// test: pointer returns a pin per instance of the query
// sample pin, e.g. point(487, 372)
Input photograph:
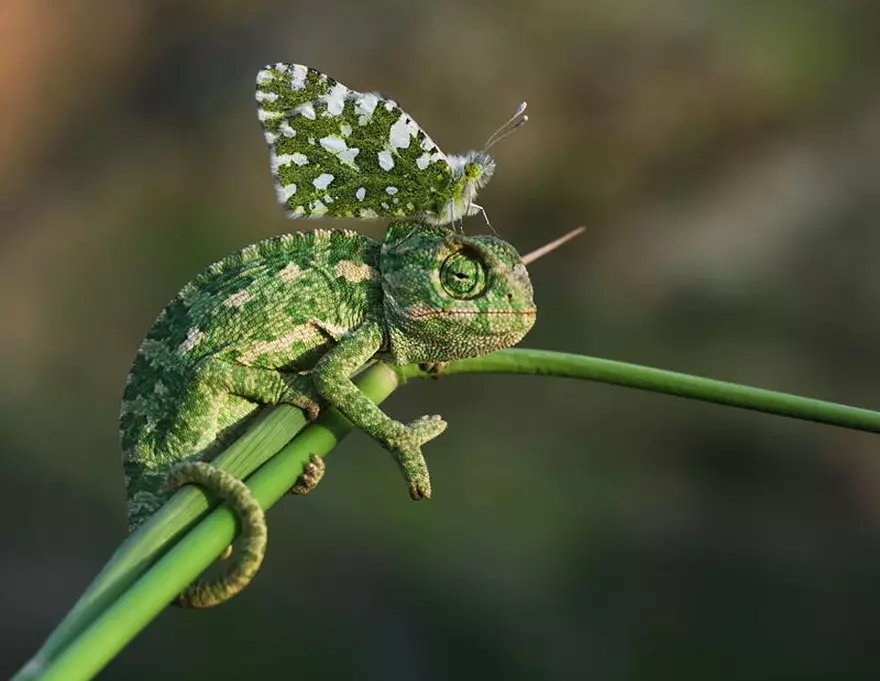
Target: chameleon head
point(448, 296)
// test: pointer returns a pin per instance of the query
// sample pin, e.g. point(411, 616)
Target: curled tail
point(204, 594)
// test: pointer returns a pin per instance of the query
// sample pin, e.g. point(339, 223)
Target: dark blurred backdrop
point(725, 159)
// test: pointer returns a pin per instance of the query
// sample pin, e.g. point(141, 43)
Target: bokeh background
point(725, 158)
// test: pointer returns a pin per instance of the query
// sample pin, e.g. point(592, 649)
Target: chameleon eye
point(463, 275)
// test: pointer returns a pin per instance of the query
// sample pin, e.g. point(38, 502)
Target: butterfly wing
point(338, 152)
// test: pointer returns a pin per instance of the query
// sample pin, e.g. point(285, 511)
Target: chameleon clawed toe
point(312, 474)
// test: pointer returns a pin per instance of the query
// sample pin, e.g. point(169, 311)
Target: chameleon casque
point(290, 320)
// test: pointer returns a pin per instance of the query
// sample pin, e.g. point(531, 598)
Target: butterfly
point(341, 153)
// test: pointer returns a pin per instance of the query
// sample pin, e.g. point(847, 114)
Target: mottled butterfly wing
point(338, 152)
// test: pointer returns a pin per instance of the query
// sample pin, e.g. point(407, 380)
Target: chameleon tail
point(204, 594)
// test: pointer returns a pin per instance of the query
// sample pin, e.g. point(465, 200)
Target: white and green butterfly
point(340, 153)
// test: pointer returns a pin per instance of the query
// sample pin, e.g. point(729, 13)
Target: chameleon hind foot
point(433, 369)
point(407, 450)
point(311, 476)
point(204, 594)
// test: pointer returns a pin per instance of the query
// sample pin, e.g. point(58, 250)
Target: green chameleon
point(290, 320)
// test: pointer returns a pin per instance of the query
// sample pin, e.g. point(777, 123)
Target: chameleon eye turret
point(463, 275)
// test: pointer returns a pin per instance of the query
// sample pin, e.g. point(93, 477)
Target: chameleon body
point(290, 320)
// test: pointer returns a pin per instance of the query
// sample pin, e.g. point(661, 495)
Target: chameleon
point(289, 320)
point(340, 153)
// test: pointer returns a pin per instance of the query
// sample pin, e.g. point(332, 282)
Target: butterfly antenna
point(546, 248)
point(516, 121)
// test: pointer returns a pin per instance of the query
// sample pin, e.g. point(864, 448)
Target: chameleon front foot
point(204, 594)
point(300, 392)
point(407, 450)
point(311, 476)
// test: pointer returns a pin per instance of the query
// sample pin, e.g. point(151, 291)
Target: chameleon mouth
point(427, 314)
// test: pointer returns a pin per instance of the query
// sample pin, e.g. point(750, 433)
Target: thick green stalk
point(116, 607)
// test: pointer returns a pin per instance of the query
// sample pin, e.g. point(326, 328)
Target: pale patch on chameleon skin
point(355, 272)
point(193, 337)
point(305, 335)
point(290, 272)
point(238, 299)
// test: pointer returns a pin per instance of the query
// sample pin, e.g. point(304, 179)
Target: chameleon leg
point(266, 386)
point(311, 476)
point(238, 575)
point(332, 379)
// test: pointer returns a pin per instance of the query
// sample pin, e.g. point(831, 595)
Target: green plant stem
point(134, 587)
point(548, 363)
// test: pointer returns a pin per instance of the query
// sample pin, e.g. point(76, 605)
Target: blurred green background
point(725, 159)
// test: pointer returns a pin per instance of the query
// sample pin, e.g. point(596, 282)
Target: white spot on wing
point(264, 115)
point(390, 190)
point(317, 208)
point(307, 110)
point(331, 143)
point(284, 193)
point(349, 155)
point(299, 159)
point(401, 132)
point(335, 99)
point(322, 181)
point(360, 193)
point(365, 104)
point(298, 79)
point(286, 130)
point(266, 96)
point(386, 162)
point(367, 213)
point(423, 161)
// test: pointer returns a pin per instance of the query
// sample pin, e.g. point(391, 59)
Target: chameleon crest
point(290, 320)
point(338, 152)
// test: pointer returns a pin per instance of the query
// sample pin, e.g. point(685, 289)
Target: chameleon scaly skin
point(290, 320)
